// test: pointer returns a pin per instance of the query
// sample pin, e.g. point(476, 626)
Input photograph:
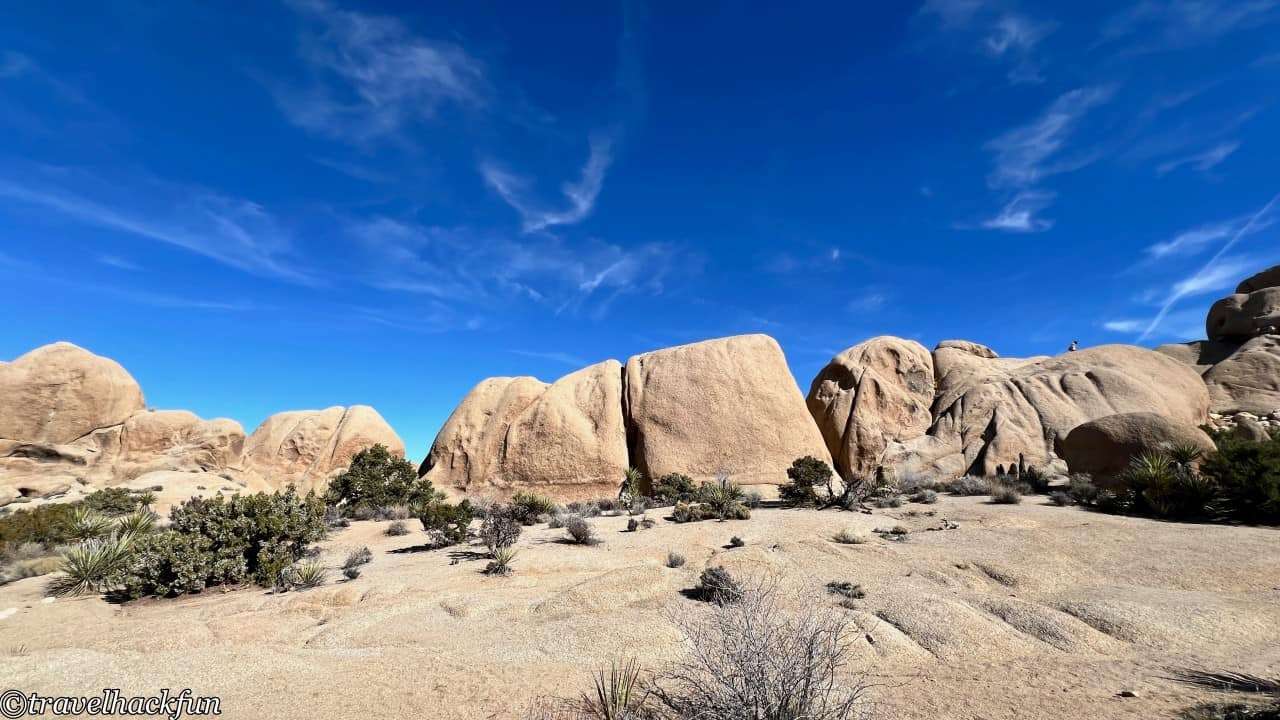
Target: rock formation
point(566, 439)
point(72, 422)
point(1240, 362)
point(988, 411)
point(1103, 448)
point(874, 393)
point(719, 406)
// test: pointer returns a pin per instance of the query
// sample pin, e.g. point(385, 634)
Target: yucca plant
point(310, 574)
point(138, 522)
point(501, 563)
point(618, 695)
point(86, 524)
point(92, 567)
point(1184, 454)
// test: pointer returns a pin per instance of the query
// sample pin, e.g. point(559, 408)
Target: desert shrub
point(1154, 484)
point(808, 475)
point(849, 536)
point(1035, 479)
point(608, 505)
point(675, 559)
point(351, 573)
point(500, 530)
point(526, 507)
point(580, 531)
point(356, 558)
point(888, 501)
point(647, 522)
point(927, 497)
point(1060, 498)
point(723, 499)
point(310, 574)
point(556, 521)
point(12, 570)
point(87, 524)
point(501, 562)
point(760, 658)
point(632, 485)
point(911, 483)
point(396, 529)
point(363, 511)
point(969, 485)
point(1248, 478)
point(113, 502)
point(752, 499)
point(92, 567)
point(846, 589)
point(737, 542)
point(377, 479)
point(219, 540)
point(1082, 490)
point(673, 488)
point(638, 506)
point(717, 585)
point(633, 525)
point(46, 525)
point(1005, 495)
point(583, 509)
point(447, 524)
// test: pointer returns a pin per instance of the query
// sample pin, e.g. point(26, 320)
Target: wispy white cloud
point(867, 302)
point(1202, 161)
point(953, 13)
point(1016, 36)
point(1029, 153)
point(1189, 242)
point(1172, 24)
point(581, 195)
point(232, 231)
point(118, 262)
point(1220, 272)
point(459, 265)
point(373, 75)
point(1021, 213)
point(1124, 326)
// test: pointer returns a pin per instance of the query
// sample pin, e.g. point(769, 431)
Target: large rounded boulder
point(726, 406)
point(566, 440)
point(1249, 379)
point(1103, 448)
point(306, 447)
point(182, 439)
point(870, 395)
point(59, 393)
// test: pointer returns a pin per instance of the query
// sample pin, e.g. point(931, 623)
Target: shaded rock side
point(1104, 447)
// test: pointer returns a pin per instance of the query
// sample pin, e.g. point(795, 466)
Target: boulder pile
point(72, 422)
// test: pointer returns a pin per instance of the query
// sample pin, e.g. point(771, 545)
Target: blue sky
point(306, 203)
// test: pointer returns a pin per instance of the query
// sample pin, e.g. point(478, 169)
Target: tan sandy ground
point(1026, 611)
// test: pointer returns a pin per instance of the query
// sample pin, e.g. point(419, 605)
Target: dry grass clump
point(1005, 495)
point(675, 559)
point(396, 529)
point(580, 531)
point(849, 536)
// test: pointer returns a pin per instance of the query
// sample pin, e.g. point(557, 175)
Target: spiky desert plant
point(138, 522)
point(86, 524)
point(310, 574)
point(92, 567)
point(501, 563)
point(618, 695)
point(1185, 454)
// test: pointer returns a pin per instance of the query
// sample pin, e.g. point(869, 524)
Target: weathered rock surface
point(1244, 315)
point(874, 393)
point(306, 447)
point(1103, 447)
point(182, 441)
point(1268, 278)
point(720, 406)
point(1200, 354)
point(989, 413)
point(59, 393)
point(566, 440)
point(1249, 379)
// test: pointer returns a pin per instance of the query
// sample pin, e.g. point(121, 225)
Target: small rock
point(1128, 694)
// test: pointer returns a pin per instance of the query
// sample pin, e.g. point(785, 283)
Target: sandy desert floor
point(1027, 611)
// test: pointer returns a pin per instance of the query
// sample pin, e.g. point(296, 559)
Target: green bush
point(500, 530)
point(220, 540)
point(447, 524)
point(376, 480)
point(673, 488)
point(723, 499)
point(45, 524)
point(1248, 478)
point(527, 507)
point(807, 476)
point(114, 502)
point(1082, 490)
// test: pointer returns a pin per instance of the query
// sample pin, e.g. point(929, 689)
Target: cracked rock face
point(59, 393)
point(307, 447)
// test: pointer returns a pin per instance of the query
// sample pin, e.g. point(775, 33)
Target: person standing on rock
point(1074, 346)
